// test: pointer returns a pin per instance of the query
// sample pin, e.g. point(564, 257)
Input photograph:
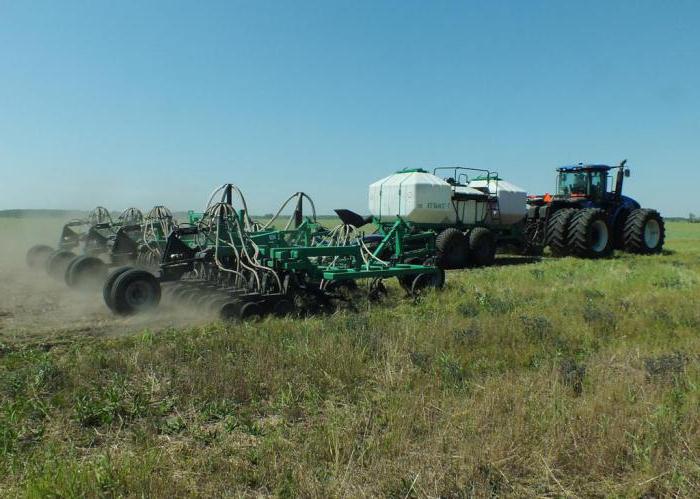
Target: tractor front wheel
point(558, 231)
point(644, 232)
point(589, 234)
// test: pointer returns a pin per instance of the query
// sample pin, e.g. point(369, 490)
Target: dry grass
point(560, 378)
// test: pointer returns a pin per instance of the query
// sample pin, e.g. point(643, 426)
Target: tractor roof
point(583, 168)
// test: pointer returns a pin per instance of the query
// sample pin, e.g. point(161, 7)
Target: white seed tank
point(415, 195)
point(421, 197)
point(512, 200)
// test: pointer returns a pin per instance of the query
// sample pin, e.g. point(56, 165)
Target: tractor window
point(598, 184)
point(572, 183)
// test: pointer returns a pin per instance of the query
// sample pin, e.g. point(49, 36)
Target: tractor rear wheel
point(589, 234)
point(58, 262)
point(452, 249)
point(38, 255)
point(558, 231)
point(644, 232)
point(482, 247)
point(135, 291)
point(86, 272)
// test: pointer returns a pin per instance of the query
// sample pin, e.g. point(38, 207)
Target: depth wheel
point(406, 280)
point(135, 291)
point(38, 255)
point(424, 282)
point(250, 311)
point(109, 282)
point(86, 273)
point(283, 308)
point(58, 262)
point(227, 310)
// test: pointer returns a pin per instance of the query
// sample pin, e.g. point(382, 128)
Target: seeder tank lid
point(412, 170)
point(583, 168)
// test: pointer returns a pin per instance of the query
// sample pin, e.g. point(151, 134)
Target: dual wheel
point(128, 291)
point(80, 272)
point(457, 249)
point(586, 233)
point(55, 262)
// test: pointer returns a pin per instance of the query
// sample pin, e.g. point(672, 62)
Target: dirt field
point(37, 309)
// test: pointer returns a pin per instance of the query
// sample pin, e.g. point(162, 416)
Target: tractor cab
point(589, 182)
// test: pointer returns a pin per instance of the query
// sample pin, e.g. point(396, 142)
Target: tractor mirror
point(627, 172)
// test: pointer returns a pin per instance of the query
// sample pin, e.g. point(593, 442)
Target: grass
point(564, 377)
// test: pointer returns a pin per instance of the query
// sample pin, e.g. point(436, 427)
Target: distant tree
point(692, 218)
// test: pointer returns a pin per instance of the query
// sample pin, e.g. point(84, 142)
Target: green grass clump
point(563, 377)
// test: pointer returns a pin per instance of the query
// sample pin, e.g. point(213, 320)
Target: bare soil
point(35, 308)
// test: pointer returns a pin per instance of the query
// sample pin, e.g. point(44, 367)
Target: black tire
point(406, 280)
point(109, 282)
point(452, 248)
point(619, 229)
point(228, 310)
point(482, 247)
point(250, 311)
point(135, 291)
point(423, 282)
point(86, 273)
point(66, 276)
point(38, 255)
point(557, 234)
point(58, 262)
point(644, 232)
point(214, 306)
point(590, 235)
point(283, 308)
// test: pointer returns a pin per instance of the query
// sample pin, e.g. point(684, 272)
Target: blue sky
point(137, 103)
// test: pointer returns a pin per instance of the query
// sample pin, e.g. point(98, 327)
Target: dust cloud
point(35, 308)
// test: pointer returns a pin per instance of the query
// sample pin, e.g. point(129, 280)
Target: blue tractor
point(589, 217)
